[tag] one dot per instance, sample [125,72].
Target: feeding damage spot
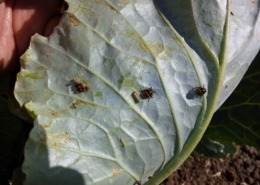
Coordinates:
[31,75]
[40,68]
[143,48]
[45,126]
[75,104]
[52,112]
[111,7]
[73,20]
[43,139]
[116,172]
[40,149]
[56,139]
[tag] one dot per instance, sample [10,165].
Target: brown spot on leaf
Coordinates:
[54,144]
[52,112]
[43,139]
[143,48]
[64,24]
[45,126]
[77,103]
[111,7]
[56,139]
[40,149]
[116,172]
[72,106]
[74,20]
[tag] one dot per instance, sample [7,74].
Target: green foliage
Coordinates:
[237,121]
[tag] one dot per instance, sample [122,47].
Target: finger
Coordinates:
[7,43]
[30,17]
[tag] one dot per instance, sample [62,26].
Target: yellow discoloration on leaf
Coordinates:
[75,104]
[40,149]
[174,39]
[30,112]
[116,172]
[63,25]
[98,93]
[19,77]
[43,139]
[123,3]
[47,93]
[40,68]
[26,57]
[31,75]
[143,48]
[157,48]
[128,79]
[45,126]
[72,106]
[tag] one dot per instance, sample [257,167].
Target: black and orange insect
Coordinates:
[81,87]
[138,183]
[148,93]
[200,91]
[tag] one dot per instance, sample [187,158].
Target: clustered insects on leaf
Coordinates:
[81,87]
[146,93]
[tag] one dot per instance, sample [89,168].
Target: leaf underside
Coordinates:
[103,136]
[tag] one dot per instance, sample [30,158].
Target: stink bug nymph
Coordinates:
[200,91]
[148,93]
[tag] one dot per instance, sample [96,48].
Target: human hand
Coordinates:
[19,20]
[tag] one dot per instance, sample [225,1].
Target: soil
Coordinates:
[240,169]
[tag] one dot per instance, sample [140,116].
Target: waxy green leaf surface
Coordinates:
[237,121]
[116,47]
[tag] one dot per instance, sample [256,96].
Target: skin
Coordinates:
[19,20]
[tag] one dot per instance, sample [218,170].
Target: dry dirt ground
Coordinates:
[241,169]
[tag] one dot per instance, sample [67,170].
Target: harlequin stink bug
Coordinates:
[200,91]
[148,93]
